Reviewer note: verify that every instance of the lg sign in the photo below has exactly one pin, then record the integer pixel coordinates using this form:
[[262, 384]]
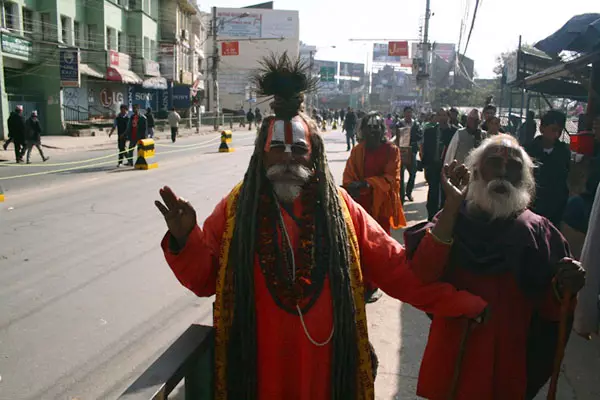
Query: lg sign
[[109, 98]]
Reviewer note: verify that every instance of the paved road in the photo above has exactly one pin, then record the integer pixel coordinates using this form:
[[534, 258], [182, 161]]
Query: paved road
[[63, 166]]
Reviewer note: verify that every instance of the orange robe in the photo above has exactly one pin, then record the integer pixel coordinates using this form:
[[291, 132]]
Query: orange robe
[[380, 168], [289, 365]]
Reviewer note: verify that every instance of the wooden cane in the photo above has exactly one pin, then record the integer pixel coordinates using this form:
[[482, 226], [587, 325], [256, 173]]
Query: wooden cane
[[561, 343], [459, 360]]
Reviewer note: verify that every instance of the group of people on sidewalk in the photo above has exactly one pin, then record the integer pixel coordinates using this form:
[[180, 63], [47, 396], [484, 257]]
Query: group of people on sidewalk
[[132, 128], [24, 134], [292, 257]]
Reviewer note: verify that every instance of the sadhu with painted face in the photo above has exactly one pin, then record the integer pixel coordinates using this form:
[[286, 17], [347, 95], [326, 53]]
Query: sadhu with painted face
[[286, 252], [517, 261]]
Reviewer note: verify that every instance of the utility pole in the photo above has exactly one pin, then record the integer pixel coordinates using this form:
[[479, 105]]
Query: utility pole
[[426, 52], [311, 66], [215, 68]]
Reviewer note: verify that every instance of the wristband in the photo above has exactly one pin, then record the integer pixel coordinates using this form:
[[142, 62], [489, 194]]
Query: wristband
[[437, 239]]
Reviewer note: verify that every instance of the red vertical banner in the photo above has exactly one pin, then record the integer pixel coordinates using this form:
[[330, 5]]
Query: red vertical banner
[[230, 48], [398, 49]]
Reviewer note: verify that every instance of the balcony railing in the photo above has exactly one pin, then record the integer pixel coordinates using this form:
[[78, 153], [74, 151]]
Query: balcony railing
[[189, 358]]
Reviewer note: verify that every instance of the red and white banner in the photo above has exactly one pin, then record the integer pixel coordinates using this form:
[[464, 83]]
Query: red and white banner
[[230, 48], [398, 49]]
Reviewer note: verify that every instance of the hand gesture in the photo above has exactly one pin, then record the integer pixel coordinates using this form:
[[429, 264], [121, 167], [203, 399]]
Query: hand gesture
[[179, 214], [455, 182], [570, 276]]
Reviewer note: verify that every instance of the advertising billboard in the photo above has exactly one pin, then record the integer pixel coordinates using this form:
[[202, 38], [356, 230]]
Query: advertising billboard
[[445, 51], [352, 69], [239, 24]]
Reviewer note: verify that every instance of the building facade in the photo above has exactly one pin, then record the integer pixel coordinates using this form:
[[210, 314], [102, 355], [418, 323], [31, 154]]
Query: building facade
[[244, 35], [78, 60]]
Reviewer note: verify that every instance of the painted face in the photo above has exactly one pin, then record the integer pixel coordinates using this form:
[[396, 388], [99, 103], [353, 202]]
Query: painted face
[[288, 136]]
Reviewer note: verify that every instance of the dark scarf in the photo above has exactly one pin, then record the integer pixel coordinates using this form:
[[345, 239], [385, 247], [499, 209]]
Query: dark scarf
[[528, 246]]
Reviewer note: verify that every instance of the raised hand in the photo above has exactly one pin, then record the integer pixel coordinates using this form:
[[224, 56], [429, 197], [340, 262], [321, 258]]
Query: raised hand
[[455, 182], [179, 214], [570, 276]]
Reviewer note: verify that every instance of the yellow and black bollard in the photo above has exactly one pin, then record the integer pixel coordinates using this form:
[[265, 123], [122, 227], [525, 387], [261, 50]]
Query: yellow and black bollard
[[146, 150], [1, 195], [226, 138], [334, 127]]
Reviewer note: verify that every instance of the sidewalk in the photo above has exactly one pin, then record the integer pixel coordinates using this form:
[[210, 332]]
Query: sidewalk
[[101, 140], [399, 334]]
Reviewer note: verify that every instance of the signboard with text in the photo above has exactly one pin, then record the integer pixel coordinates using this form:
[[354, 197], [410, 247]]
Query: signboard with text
[[355, 70], [16, 46], [327, 74], [230, 48], [69, 68], [239, 24], [398, 49]]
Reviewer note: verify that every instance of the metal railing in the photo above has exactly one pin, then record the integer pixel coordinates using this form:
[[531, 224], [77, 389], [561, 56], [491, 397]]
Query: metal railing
[[74, 114], [189, 358]]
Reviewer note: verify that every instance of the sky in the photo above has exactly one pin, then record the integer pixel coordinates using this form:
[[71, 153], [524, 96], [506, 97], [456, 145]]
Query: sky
[[331, 23]]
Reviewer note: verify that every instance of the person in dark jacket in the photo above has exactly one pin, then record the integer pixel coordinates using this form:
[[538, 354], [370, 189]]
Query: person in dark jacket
[[250, 118], [16, 133], [349, 126], [553, 160], [435, 139], [258, 117], [528, 129], [33, 136], [416, 136], [150, 119], [136, 130], [120, 124]]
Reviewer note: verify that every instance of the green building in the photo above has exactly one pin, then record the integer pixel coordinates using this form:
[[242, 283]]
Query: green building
[[78, 60]]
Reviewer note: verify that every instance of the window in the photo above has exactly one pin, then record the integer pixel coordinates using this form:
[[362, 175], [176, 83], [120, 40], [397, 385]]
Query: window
[[27, 21], [121, 41], [133, 5], [110, 39], [65, 29], [46, 27], [10, 19], [131, 42], [146, 48], [148, 7], [77, 33], [92, 36], [153, 54], [123, 3]]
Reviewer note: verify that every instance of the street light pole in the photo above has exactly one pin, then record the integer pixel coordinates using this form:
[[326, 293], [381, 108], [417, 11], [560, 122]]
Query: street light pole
[[215, 68], [311, 66], [426, 51]]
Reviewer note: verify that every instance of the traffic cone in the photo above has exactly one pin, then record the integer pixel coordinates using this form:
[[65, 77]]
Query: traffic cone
[[226, 138]]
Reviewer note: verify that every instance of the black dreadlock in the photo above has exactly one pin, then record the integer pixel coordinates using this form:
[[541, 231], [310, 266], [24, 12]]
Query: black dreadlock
[[242, 346]]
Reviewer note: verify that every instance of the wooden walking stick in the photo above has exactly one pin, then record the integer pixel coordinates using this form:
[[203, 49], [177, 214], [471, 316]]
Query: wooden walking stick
[[459, 359], [561, 343]]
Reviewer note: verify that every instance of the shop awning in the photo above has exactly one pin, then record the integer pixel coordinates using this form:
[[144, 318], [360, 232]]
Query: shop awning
[[117, 74], [155, 82], [86, 69]]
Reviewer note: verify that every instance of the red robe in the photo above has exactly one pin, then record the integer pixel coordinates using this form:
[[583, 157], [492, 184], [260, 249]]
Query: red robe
[[289, 365], [494, 364]]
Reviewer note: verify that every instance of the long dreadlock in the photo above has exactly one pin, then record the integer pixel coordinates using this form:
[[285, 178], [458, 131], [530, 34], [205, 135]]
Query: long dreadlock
[[242, 346]]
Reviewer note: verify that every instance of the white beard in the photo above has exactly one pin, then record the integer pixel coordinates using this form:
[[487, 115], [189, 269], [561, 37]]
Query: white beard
[[482, 196], [288, 180]]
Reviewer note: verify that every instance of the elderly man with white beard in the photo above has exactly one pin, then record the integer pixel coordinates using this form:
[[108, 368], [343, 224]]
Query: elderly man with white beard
[[514, 259]]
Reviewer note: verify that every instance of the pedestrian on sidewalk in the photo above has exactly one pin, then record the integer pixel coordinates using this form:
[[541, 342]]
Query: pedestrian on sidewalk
[[466, 139], [33, 136], [16, 133], [250, 118], [150, 119], [136, 130], [517, 261], [372, 178], [416, 138], [350, 124], [174, 119], [553, 160], [120, 124]]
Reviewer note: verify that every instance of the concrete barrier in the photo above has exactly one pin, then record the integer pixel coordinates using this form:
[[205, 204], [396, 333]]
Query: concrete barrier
[[146, 151], [226, 138]]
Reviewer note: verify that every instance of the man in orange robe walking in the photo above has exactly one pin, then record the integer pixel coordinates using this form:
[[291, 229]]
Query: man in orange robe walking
[[286, 253]]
